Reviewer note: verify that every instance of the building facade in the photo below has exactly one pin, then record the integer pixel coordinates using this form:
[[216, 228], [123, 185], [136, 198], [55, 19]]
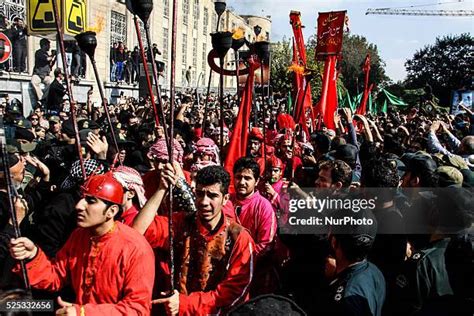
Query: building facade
[[196, 20]]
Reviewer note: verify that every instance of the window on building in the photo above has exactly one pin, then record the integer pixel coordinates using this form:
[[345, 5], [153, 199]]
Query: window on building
[[222, 25], [184, 50], [204, 57], [118, 27], [165, 44], [166, 8], [13, 8], [214, 22], [205, 21], [195, 52], [267, 34], [185, 12], [141, 28], [196, 14]]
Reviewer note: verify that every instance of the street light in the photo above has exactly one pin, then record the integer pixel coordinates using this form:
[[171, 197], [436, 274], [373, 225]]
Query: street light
[[219, 7], [221, 43]]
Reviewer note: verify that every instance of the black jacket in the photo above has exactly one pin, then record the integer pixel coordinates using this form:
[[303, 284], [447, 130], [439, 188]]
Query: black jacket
[[55, 96]]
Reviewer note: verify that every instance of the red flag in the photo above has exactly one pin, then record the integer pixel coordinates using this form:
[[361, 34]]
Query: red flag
[[238, 141], [366, 69], [303, 105], [303, 96], [328, 103], [297, 26], [297, 78]]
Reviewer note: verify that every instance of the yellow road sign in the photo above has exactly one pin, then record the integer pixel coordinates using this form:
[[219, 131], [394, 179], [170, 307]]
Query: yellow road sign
[[75, 16], [41, 16]]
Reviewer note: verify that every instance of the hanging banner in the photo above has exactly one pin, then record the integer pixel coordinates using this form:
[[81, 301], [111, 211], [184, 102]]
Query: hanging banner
[[330, 31]]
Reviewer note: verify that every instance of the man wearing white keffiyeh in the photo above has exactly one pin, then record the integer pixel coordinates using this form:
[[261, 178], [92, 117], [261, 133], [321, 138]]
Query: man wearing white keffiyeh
[[132, 183]]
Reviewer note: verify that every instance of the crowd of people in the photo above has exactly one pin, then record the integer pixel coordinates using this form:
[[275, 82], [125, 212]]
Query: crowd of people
[[124, 63], [101, 242]]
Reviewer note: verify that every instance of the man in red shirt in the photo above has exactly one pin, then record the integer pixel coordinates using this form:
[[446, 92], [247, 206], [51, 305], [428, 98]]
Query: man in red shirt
[[213, 255], [108, 264]]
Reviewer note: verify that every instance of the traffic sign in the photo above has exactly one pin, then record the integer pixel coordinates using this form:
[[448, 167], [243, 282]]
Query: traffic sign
[[7, 48], [41, 16], [75, 13]]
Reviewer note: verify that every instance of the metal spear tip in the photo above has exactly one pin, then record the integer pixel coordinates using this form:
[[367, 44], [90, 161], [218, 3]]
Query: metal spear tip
[[221, 43], [219, 6], [87, 42], [257, 29], [142, 8]]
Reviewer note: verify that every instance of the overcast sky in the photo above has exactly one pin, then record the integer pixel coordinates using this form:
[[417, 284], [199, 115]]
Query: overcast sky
[[397, 37]]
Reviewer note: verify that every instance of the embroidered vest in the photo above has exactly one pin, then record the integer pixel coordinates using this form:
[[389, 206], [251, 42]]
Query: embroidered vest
[[203, 264]]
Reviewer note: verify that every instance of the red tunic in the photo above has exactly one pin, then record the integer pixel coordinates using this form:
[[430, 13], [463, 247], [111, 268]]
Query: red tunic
[[111, 274], [213, 273], [129, 216]]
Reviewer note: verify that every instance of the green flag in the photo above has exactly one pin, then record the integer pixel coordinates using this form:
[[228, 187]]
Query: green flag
[[385, 106], [370, 107], [394, 100], [290, 103]]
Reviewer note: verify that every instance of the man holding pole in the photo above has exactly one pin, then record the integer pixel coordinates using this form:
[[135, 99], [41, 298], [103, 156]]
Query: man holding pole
[[213, 254], [108, 264]]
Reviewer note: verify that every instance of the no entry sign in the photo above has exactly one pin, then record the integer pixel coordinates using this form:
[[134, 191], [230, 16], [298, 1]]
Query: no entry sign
[[6, 46]]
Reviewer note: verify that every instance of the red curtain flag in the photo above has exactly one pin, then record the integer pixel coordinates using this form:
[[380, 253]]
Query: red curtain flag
[[238, 141], [328, 103], [297, 26], [303, 99], [366, 69], [297, 82]]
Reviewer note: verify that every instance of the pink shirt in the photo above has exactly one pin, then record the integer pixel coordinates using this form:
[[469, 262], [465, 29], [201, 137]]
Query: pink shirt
[[257, 215]]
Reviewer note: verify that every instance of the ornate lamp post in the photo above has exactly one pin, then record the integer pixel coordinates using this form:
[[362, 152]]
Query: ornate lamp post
[[262, 49], [143, 9], [219, 7], [221, 43], [237, 43], [87, 42]]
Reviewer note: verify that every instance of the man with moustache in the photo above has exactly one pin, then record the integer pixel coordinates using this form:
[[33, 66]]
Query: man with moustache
[[213, 255], [108, 264], [256, 214]]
